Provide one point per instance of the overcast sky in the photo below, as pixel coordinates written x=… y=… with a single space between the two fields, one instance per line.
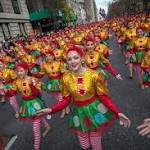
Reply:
x=102 y=4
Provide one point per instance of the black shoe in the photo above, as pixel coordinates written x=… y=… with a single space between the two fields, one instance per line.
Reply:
x=9 y=141
x=130 y=77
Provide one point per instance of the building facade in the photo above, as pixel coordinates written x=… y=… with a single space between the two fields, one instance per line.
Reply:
x=85 y=10
x=128 y=7
x=79 y=9
x=90 y=7
x=14 y=19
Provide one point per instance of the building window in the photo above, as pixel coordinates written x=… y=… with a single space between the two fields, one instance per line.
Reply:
x=15 y=6
x=3 y=33
x=8 y=29
x=1 y=8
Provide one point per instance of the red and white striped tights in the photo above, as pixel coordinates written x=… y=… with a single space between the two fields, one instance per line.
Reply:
x=92 y=139
x=36 y=125
x=14 y=104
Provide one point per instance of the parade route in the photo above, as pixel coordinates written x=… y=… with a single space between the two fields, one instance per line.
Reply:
x=126 y=94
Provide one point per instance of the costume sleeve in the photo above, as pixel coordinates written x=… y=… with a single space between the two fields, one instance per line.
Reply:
x=37 y=83
x=41 y=74
x=15 y=85
x=43 y=68
x=62 y=67
x=131 y=45
x=110 y=68
x=146 y=61
x=65 y=100
x=103 y=59
x=102 y=93
x=13 y=75
x=61 y=105
x=100 y=85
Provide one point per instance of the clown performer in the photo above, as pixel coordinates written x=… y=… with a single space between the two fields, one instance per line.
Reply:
x=7 y=76
x=95 y=60
x=129 y=35
x=102 y=48
x=92 y=109
x=145 y=65
x=30 y=90
x=139 y=46
x=59 y=55
x=54 y=69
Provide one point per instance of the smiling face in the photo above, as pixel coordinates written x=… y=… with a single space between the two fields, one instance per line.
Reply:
x=74 y=61
x=140 y=32
x=21 y=72
x=97 y=40
x=90 y=46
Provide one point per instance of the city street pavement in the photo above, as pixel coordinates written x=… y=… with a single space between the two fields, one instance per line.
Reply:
x=125 y=94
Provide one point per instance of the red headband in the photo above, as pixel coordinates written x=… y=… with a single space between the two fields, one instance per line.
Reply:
x=23 y=65
x=77 y=49
x=90 y=40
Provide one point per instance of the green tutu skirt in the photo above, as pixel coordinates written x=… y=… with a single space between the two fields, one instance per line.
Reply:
x=90 y=117
x=8 y=86
x=29 y=108
x=137 y=57
x=146 y=78
x=54 y=85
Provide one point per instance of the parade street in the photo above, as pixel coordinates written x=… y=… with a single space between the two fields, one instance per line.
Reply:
x=126 y=94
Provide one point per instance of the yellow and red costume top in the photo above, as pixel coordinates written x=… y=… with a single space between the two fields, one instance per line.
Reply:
x=28 y=59
x=59 y=54
x=53 y=69
x=141 y=44
x=146 y=61
x=139 y=47
x=96 y=61
x=7 y=76
x=103 y=50
x=130 y=34
x=104 y=35
x=28 y=87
